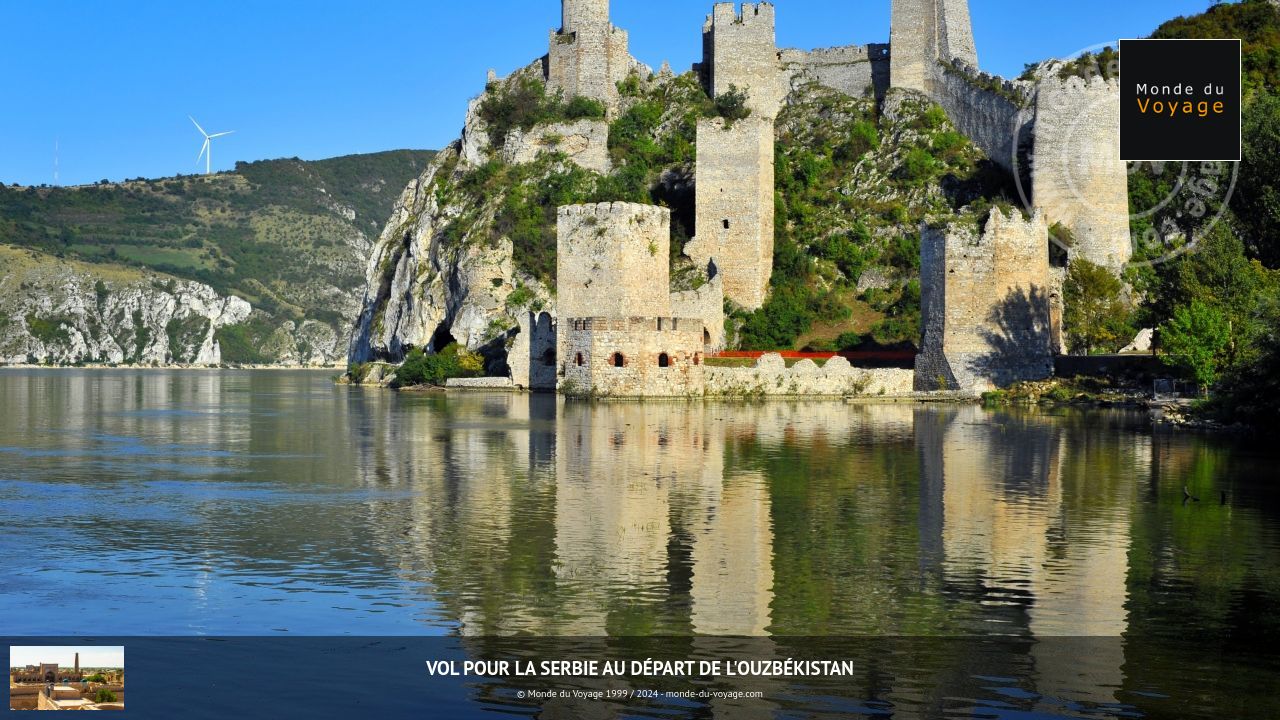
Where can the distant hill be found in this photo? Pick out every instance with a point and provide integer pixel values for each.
(1255, 22)
(291, 237)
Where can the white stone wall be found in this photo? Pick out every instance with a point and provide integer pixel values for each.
(1077, 175)
(707, 304)
(922, 32)
(851, 69)
(985, 305)
(997, 122)
(531, 357)
(585, 142)
(735, 206)
(592, 344)
(837, 378)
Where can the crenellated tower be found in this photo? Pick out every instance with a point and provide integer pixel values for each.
(588, 56)
(740, 50)
(924, 32)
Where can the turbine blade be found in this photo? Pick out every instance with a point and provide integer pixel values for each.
(193, 122)
(203, 148)
(221, 134)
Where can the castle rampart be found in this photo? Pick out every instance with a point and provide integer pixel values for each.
(735, 206)
(995, 114)
(985, 305)
(1078, 177)
(852, 69)
(740, 50)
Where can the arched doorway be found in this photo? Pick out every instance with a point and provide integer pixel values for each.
(664, 360)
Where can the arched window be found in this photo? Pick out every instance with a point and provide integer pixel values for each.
(579, 360)
(706, 336)
(549, 357)
(726, 223)
(697, 358)
(618, 360)
(664, 360)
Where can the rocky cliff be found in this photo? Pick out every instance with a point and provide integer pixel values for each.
(283, 242)
(59, 311)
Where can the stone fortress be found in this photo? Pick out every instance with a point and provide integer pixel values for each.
(990, 300)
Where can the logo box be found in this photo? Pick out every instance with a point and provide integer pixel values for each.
(1180, 100)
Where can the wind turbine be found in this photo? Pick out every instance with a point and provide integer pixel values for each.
(206, 150)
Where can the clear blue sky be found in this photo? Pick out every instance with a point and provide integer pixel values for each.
(112, 83)
(65, 655)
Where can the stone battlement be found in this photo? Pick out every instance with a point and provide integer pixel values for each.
(641, 323)
(758, 14)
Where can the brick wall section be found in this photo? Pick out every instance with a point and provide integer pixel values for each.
(707, 304)
(997, 122)
(735, 184)
(744, 53)
(985, 305)
(1077, 175)
(640, 342)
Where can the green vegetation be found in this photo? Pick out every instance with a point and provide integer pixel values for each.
(1097, 318)
(243, 343)
(1104, 63)
(1195, 341)
(99, 678)
(525, 104)
(1257, 198)
(277, 233)
(104, 696)
(50, 330)
(1255, 22)
(420, 368)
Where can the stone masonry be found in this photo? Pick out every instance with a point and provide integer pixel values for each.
(740, 50)
(1078, 177)
(923, 32)
(588, 56)
(616, 333)
(1069, 128)
(985, 305)
(734, 206)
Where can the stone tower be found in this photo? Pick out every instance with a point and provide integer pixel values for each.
(739, 49)
(923, 32)
(986, 305)
(588, 56)
(735, 206)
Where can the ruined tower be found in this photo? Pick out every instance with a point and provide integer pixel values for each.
(740, 50)
(986, 305)
(924, 32)
(616, 334)
(735, 206)
(1077, 176)
(588, 56)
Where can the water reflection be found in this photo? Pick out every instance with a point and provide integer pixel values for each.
(259, 503)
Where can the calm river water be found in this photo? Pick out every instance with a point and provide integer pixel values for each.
(1027, 563)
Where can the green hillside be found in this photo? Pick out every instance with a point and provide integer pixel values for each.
(289, 236)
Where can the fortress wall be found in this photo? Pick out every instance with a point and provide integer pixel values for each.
(850, 69)
(744, 53)
(837, 378)
(531, 356)
(735, 206)
(588, 56)
(997, 122)
(592, 343)
(985, 305)
(707, 304)
(1078, 178)
(584, 141)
